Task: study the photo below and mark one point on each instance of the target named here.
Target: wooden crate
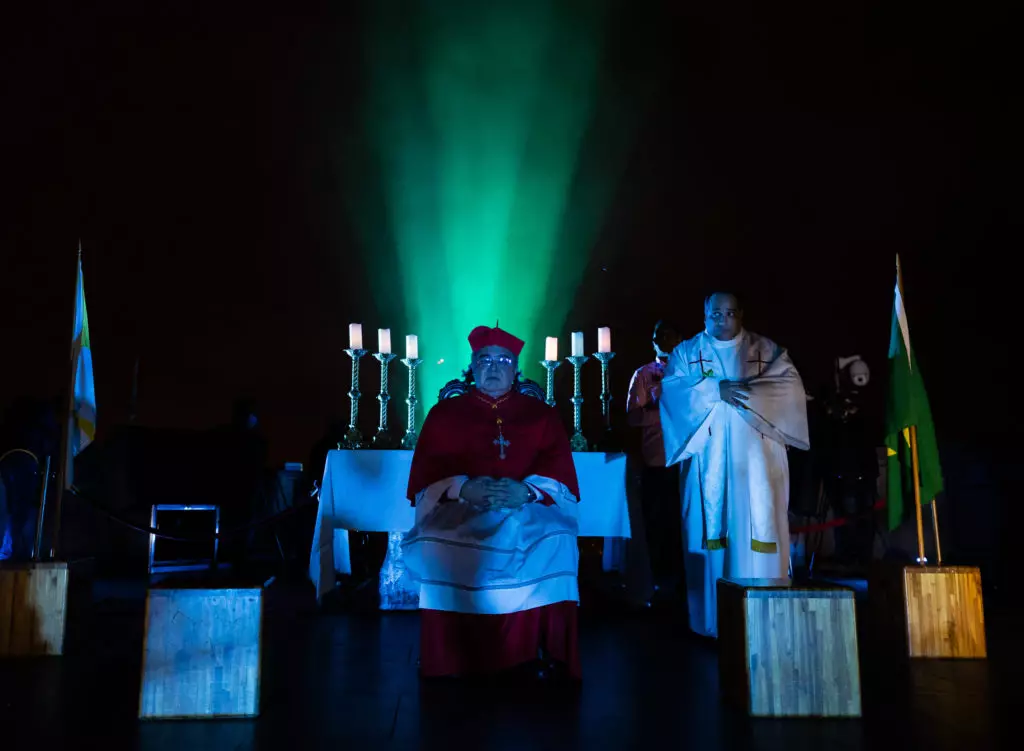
(929, 611)
(788, 650)
(201, 656)
(33, 608)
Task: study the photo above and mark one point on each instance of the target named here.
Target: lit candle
(604, 339)
(384, 341)
(355, 336)
(551, 348)
(412, 347)
(577, 344)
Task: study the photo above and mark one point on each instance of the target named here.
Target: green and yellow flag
(907, 406)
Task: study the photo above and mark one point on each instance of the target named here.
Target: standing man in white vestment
(732, 402)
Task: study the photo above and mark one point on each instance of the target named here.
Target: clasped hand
(488, 493)
(735, 393)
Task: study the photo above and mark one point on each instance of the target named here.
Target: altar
(365, 491)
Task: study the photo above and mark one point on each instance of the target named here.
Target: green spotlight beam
(476, 114)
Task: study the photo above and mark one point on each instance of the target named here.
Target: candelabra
(606, 395)
(383, 439)
(607, 442)
(353, 438)
(409, 439)
(550, 366)
(578, 441)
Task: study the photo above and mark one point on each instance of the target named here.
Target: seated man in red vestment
(494, 545)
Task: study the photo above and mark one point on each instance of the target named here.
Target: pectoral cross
(700, 363)
(501, 442)
(760, 363)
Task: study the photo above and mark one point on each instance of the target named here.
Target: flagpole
(62, 474)
(69, 406)
(917, 495)
(935, 527)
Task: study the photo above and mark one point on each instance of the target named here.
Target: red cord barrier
(821, 526)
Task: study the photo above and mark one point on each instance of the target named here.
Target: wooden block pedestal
(201, 656)
(929, 611)
(33, 608)
(788, 650)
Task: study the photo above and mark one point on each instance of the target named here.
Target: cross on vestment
(760, 363)
(700, 363)
(760, 369)
(501, 442)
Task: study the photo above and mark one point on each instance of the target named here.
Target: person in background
(241, 452)
(659, 484)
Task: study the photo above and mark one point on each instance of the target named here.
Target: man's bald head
(723, 315)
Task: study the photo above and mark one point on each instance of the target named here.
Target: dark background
(790, 151)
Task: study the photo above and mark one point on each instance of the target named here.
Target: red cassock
(518, 437)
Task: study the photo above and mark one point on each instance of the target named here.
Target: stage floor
(349, 681)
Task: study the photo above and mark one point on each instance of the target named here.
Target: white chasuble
(736, 495)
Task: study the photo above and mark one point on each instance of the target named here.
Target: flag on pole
(907, 406)
(82, 416)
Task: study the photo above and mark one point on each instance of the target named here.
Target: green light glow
(476, 114)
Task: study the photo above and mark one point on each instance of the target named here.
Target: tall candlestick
(355, 336)
(551, 348)
(606, 395)
(604, 340)
(550, 362)
(409, 439)
(577, 344)
(383, 439)
(384, 341)
(354, 438)
(578, 442)
(412, 347)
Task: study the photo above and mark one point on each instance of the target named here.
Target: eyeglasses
(487, 360)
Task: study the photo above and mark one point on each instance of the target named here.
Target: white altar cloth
(365, 490)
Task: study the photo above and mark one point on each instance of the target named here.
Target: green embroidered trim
(763, 547)
(720, 544)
